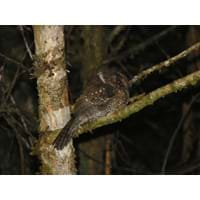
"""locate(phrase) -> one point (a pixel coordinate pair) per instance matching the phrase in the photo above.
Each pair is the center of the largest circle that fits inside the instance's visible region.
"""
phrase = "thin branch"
(12, 85)
(14, 61)
(176, 131)
(115, 32)
(31, 138)
(164, 64)
(26, 42)
(118, 46)
(20, 145)
(136, 49)
(149, 99)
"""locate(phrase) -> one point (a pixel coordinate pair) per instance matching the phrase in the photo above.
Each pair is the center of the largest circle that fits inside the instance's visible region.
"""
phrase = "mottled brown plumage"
(105, 93)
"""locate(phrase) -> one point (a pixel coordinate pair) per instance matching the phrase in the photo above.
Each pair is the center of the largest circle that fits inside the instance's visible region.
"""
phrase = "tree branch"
(165, 64)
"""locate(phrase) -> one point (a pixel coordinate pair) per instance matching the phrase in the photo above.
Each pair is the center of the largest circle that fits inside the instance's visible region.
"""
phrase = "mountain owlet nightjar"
(106, 92)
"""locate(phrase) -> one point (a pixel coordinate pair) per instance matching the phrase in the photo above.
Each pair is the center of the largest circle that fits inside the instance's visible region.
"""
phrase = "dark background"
(139, 143)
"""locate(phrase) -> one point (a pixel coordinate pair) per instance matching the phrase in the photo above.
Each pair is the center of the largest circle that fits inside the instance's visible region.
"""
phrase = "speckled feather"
(106, 92)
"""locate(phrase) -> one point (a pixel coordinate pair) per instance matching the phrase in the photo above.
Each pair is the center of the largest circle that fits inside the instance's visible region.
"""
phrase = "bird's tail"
(64, 136)
(69, 131)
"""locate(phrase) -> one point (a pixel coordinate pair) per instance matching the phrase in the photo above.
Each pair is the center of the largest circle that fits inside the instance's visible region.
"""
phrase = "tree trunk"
(54, 112)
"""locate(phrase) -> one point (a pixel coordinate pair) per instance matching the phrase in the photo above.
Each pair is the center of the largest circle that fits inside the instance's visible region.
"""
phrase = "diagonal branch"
(26, 42)
(165, 64)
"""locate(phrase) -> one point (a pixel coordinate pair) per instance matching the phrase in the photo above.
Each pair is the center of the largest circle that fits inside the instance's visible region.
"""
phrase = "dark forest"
(45, 69)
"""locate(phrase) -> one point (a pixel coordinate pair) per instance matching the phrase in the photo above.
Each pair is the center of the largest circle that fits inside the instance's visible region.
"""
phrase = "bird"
(105, 93)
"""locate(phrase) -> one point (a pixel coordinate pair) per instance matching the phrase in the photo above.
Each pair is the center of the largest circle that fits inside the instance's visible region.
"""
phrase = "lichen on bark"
(54, 108)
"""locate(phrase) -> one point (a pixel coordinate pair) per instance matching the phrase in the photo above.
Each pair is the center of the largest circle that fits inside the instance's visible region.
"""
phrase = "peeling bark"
(54, 107)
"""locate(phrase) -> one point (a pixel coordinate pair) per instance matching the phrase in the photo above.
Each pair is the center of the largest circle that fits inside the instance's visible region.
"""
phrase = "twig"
(18, 124)
(11, 86)
(26, 42)
(21, 151)
(176, 131)
(136, 49)
(30, 136)
(13, 61)
(117, 47)
(25, 54)
(164, 64)
(115, 32)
